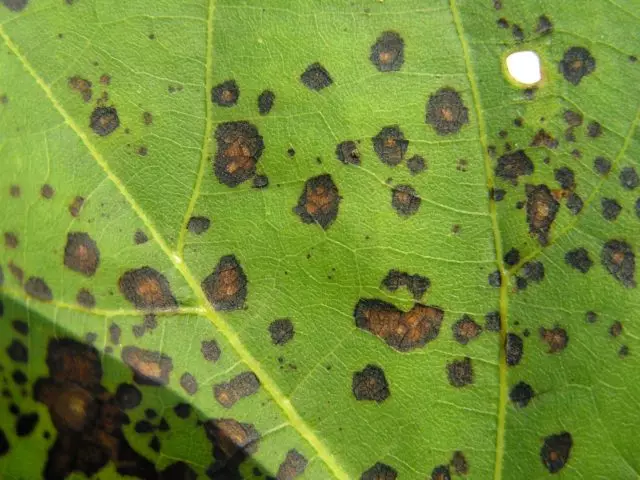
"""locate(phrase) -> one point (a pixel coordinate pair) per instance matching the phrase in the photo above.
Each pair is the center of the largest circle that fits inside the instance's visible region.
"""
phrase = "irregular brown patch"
(542, 209)
(293, 466)
(390, 145)
(210, 350)
(513, 349)
(149, 367)
(465, 329)
(556, 338)
(347, 152)
(555, 451)
(233, 442)
(85, 298)
(512, 165)
(416, 284)
(239, 147)
(266, 101)
(75, 207)
(319, 201)
(576, 64)
(147, 289)
(459, 463)
(370, 384)
(10, 240)
(446, 111)
(82, 86)
(387, 54)
(618, 259)
(240, 386)
(460, 372)
(36, 287)
(81, 253)
(226, 287)
(104, 120)
(225, 94)
(544, 139)
(189, 383)
(403, 331)
(379, 471)
(316, 77)
(405, 200)
(615, 330)
(281, 331)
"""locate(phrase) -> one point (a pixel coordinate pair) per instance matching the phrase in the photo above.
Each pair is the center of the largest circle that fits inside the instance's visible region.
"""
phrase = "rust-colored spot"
(226, 287)
(149, 367)
(319, 201)
(82, 86)
(81, 253)
(556, 338)
(387, 54)
(239, 147)
(542, 209)
(147, 289)
(240, 386)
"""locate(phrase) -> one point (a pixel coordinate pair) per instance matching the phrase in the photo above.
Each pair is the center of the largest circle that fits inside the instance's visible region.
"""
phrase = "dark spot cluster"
(514, 349)
(521, 394)
(405, 200)
(82, 86)
(513, 165)
(619, 260)
(265, 102)
(542, 209)
(416, 284)
(579, 259)
(316, 77)
(81, 254)
(104, 120)
(390, 145)
(347, 152)
(198, 225)
(555, 451)
(240, 386)
(293, 466)
(37, 288)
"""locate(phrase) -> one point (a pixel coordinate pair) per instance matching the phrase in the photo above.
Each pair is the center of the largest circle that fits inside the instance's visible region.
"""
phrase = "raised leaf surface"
(320, 239)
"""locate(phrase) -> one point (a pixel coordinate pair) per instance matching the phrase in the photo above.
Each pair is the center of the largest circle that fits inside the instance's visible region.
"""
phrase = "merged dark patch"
(147, 289)
(544, 139)
(82, 86)
(446, 111)
(390, 145)
(232, 443)
(380, 471)
(226, 287)
(555, 451)
(10, 240)
(521, 394)
(416, 284)
(18, 351)
(387, 54)
(128, 396)
(281, 331)
(225, 94)
(198, 225)
(512, 165)
(405, 200)
(556, 338)
(579, 259)
(104, 120)
(542, 209)
(610, 208)
(265, 102)
(513, 349)
(576, 64)
(618, 259)
(347, 152)
(293, 466)
(533, 271)
(465, 330)
(239, 147)
(416, 164)
(629, 178)
(85, 298)
(403, 331)
(370, 384)
(37, 288)
(189, 383)
(316, 77)
(148, 367)
(81, 254)
(75, 207)
(240, 386)
(460, 372)
(319, 201)
(574, 203)
(210, 350)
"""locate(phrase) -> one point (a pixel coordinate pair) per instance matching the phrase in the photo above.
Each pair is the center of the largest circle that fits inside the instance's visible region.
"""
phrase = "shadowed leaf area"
(321, 239)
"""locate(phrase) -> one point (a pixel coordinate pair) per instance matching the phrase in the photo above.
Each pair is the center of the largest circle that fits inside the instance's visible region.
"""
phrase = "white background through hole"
(524, 67)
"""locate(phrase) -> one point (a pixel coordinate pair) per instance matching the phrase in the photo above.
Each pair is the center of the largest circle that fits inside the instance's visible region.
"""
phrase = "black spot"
(565, 177)
(128, 396)
(521, 283)
(512, 257)
(530, 94)
(189, 383)
(240, 386)
(545, 26)
(85, 298)
(492, 321)
(36, 287)
(390, 145)
(416, 164)
(225, 94)
(15, 6)
(82, 86)
(281, 331)
(555, 451)
(601, 166)
(147, 289)
(47, 191)
(226, 287)
(19, 326)
(441, 472)
(521, 394)
(497, 194)
(319, 201)
(316, 77)
(544, 139)
(556, 338)
(533, 271)
(416, 284)
(293, 466)
(494, 279)
(104, 120)
(512, 165)
(198, 225)
(629, 178)
(387, 54)
(144, 426)
(618, 259)
(594, 129)
(140, 237)
(610, 208)
(26, 424)
(542, 209)
(4, 444)
(154, 444)
(623, 351)
(265, 102)
(75, 207)
(81, 254)
(19, 377)
(405, 200)
(210, 350)
(576, 64)
(574, 203)
(518, 34)
(149, 367)
(446, 112)
(591, 317)
(465, 330)
(370, 384)
(178, 471)
(150, 413)
(502, 23)
(239, 147)
(379, 471)
(291, 152)
(460, 372)
(347, 152)
(260, 181)
(10, 240)
(182, 410)
(579, 259)
(514, 349)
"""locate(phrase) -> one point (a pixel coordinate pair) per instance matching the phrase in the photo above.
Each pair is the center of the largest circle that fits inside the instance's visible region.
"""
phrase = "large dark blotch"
(405, 200)
(390, 145)
(542, 209)
(293, 466)
(81, 253)
(104, 120)
(387, 54)
(512, 165)
(555, 451)
(618, 259)
(225, 94)
(147, 289)
(319, 201)
(226, 287)
(232, 443)
(403, 331)
(513, 349)
(15, 5)
(86, 416)
(316, 77)
(521, 394)
(380, 471)
(370, 384)
(239, 147)
(460, 372)
(556, 338)
(576, 64)
(240, 386)
(149, 367)
(446, 111)
(36, 287)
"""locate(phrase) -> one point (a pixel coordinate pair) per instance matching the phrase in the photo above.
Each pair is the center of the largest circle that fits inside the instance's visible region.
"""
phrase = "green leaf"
(318, 239)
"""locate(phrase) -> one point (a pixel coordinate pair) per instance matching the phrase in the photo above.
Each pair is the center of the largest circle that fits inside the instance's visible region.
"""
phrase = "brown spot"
(16, 271)
(142, 151)
(319, 201)
(513, 349)
(390, 145)
(542, 209)
(446, 111)
(15, 191)
(615, 330)
(85, 298)
(466, 329)
(105, 79)
(36, 287)
(281, 331)
(149, 368)
(82, 86)
(226, 287)
(555, 451)
(260, 181)
(293, 466)
(198, 225)
(576, 64)
(512, 165)
(618, 259)
(556, 338)
(460, 372)
(316, 77)
(81, 253)
(594, 129)
(233, 443)
(104, 120)
(416, 284)
(147, 118)
(403, 331)
(387, 54)
(225, 94)
(370, 384)
(459, 463)
(210, 350)
(379, 471)
(10, 240)
(239, 147)
(544, 139)
(189, 383)
(347, 152)
(76, 206)
(265, 102)
(147, 289)
(240, 386)
(405, 200)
